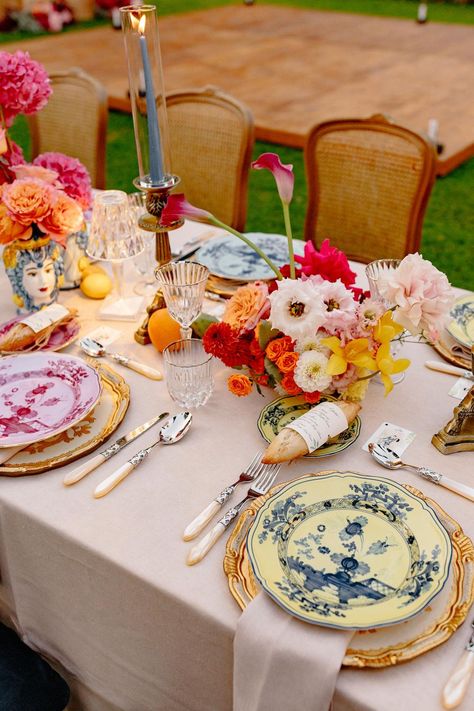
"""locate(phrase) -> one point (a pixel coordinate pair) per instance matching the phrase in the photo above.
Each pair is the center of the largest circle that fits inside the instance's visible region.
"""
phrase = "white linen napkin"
(7, 452)
(282, 663)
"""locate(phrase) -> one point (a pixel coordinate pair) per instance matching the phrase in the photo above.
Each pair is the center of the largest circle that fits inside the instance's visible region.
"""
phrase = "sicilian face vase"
(35, 270)
(76, 244)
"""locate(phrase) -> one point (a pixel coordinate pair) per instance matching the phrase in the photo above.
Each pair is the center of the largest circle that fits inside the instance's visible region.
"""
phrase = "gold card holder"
(458, 434)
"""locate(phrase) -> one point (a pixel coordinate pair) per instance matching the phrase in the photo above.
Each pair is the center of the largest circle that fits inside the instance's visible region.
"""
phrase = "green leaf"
(272, 370)
(202, 323)
(266, 333)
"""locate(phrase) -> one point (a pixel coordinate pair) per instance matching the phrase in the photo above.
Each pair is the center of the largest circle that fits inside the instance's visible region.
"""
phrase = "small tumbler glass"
(188, 370)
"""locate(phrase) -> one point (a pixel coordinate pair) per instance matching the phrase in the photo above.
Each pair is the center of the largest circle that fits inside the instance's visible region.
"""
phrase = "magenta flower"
(283, 174)
(13, 157)
(72, 175)
(178, 207)
(329, 262)
(24, 85)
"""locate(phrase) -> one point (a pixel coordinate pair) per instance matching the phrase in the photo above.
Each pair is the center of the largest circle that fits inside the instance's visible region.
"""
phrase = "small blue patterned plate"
(228, 257)
(461, 327)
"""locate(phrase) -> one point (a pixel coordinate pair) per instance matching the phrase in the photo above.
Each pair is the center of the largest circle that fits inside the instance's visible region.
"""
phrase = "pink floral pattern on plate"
(61, 337)
(42, 394)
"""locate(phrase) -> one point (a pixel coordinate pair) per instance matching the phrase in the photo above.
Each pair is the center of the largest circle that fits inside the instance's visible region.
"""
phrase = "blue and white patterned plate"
(462, 325)
(228, 257)
(349, 551)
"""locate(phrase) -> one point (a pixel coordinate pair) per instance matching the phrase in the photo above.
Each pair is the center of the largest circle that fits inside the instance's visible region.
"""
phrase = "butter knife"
(450, 369)
(456, 687)
(79, 472)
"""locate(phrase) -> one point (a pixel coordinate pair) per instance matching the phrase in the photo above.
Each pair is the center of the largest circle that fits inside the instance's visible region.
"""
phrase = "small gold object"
(155, 202)
(458, 434)
(382, 652)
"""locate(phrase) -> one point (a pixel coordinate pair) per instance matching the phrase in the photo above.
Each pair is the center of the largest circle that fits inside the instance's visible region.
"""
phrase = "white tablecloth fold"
(282, 663)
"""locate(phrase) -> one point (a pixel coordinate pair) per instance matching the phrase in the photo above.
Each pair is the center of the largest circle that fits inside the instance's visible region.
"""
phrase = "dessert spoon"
(390, 460)
(96, 350)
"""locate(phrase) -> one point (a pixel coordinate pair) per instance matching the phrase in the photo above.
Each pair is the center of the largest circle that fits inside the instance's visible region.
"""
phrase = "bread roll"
(319, 424)
(22, 336)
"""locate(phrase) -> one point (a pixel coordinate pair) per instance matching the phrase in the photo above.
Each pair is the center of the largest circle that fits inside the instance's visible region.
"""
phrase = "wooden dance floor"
(295, 68)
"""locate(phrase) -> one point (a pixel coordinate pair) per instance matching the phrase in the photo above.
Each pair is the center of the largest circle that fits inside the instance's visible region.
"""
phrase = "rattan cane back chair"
(74, 122)
(211, 141)
(369, 181)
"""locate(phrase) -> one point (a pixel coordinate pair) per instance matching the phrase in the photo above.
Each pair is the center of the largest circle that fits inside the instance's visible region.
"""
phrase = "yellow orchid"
(355, 352)
(386, 328)
(387, 366)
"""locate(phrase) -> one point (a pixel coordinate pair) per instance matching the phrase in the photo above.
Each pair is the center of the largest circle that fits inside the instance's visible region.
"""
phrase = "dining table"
(101, 588)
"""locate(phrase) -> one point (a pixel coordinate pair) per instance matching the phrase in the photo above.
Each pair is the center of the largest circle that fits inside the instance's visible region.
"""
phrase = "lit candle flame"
(138, 24)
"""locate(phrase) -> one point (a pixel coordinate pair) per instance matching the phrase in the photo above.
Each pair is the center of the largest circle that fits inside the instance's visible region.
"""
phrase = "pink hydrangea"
(72, 175)
(12, 157)
(24, 85)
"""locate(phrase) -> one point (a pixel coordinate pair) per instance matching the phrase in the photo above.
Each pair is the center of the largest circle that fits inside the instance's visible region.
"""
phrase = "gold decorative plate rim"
(243, 586)
(120, 390)
(444, 350)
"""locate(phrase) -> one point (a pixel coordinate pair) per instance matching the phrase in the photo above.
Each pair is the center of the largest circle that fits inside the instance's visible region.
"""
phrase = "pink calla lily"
(283, 174)
(177, 207)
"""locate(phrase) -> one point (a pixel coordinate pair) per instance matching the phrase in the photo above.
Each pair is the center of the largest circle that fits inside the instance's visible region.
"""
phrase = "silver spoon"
(390, 460)
(170, 433)
(96, 350)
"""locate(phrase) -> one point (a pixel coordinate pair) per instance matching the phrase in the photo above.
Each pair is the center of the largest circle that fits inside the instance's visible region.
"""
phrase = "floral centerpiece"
(41, 203)
(312, 331)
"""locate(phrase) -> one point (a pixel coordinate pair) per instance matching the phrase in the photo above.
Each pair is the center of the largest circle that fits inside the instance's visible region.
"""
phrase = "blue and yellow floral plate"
(461, 326)
(279, 413)
(349, 551)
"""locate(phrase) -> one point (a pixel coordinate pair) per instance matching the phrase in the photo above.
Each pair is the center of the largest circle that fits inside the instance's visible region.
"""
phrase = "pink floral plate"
(42, 394)
(62, 336)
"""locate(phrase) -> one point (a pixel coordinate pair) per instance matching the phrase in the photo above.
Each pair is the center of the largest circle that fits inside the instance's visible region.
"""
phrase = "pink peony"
(13, 156)
(72, 175)
(24, 85)
(28, 200)
(421, 295)
(329, 262)
(34, 171)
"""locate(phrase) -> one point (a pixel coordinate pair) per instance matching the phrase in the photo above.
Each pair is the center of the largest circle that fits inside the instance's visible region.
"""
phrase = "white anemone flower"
(297, 308)
(310, 372)
(339, 304)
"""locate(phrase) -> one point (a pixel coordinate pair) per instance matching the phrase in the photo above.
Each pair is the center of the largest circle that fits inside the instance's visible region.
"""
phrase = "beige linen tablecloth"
(101, 585)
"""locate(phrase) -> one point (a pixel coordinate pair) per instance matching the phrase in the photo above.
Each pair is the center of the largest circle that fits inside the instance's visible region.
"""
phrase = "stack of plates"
(55, 408)
(350, 551)
(455, 345)
(232, 263)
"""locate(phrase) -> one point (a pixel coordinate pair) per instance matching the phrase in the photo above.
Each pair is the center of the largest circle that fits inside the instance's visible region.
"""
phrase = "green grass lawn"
(448, 235)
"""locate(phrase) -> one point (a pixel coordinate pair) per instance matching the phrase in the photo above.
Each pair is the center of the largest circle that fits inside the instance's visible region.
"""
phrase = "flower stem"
(248, 242)
(289, 236)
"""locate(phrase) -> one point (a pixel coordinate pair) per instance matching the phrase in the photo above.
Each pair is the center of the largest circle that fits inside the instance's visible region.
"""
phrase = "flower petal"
(177, 207)
(283, 174)
(337, 365)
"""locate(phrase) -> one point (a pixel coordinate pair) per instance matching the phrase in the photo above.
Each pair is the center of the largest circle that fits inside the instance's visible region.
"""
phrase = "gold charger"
(82, 438)
(384, 646)
(444, 348)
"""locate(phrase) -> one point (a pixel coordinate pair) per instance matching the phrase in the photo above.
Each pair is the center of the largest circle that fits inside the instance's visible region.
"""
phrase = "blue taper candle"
(154, 141)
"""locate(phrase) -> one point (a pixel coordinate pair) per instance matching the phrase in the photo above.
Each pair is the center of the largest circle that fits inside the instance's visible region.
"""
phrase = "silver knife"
(79, 472)
(456, 686)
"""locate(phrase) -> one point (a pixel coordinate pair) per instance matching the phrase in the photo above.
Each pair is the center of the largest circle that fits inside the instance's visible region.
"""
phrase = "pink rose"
(421, 294)
(65, 218)
(34, 171)
(247, 306)
(28, 200)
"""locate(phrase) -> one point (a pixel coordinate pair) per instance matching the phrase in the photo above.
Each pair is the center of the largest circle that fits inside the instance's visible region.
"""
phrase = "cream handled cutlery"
(456, 686)
(96, 350)
(80, 472)
(390, 460)
(202, 519)
(450, 369)
(170, 433)
(260, 486)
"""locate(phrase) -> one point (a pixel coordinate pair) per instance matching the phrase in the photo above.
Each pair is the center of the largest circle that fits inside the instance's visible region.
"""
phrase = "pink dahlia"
(72, 175)
(329, 262)
(24, 85)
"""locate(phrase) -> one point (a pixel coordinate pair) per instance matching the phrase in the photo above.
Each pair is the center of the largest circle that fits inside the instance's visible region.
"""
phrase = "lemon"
(96, 285)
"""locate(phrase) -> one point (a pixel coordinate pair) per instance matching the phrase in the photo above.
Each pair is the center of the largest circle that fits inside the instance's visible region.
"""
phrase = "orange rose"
(278, 346)
(11, 230)
(35, 171)
(28, 200)
(239, 385)
(289, 384)
(65, 217)
(287, 362)
(244, 308)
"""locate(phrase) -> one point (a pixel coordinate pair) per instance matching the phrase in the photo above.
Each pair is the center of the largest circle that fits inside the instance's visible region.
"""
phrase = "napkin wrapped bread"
(22, 337)
(318, 425)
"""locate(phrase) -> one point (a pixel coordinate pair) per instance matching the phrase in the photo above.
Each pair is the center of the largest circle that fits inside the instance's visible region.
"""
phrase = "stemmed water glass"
(183, 285)
(145, 264)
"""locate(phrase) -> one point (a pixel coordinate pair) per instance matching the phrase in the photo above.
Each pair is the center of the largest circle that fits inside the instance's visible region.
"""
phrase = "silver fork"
(202, 519)
(260, 487)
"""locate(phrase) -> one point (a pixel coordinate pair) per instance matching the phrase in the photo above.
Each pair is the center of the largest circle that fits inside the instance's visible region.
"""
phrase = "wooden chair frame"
(79, 77)
(212, 95)
(381, 124)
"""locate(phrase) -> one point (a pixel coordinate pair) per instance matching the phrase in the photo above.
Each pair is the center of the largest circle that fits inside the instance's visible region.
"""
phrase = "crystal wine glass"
(183, 285)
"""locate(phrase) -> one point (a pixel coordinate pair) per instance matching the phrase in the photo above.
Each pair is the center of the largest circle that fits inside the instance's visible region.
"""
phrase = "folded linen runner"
(282, 663)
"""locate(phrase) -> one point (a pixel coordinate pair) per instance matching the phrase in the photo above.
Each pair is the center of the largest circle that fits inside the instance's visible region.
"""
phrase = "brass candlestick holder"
(155, 202)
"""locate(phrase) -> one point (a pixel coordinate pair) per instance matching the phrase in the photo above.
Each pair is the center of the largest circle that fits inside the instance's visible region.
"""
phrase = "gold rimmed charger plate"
(452, 351)
(80, 439)
(384, 646)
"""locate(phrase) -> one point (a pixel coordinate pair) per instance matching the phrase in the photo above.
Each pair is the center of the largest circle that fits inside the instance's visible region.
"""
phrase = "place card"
(393, 436)
(460, 388)
(104, 335)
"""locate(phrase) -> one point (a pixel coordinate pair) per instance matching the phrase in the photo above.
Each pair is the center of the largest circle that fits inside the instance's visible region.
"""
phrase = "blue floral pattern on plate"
(228, 257)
